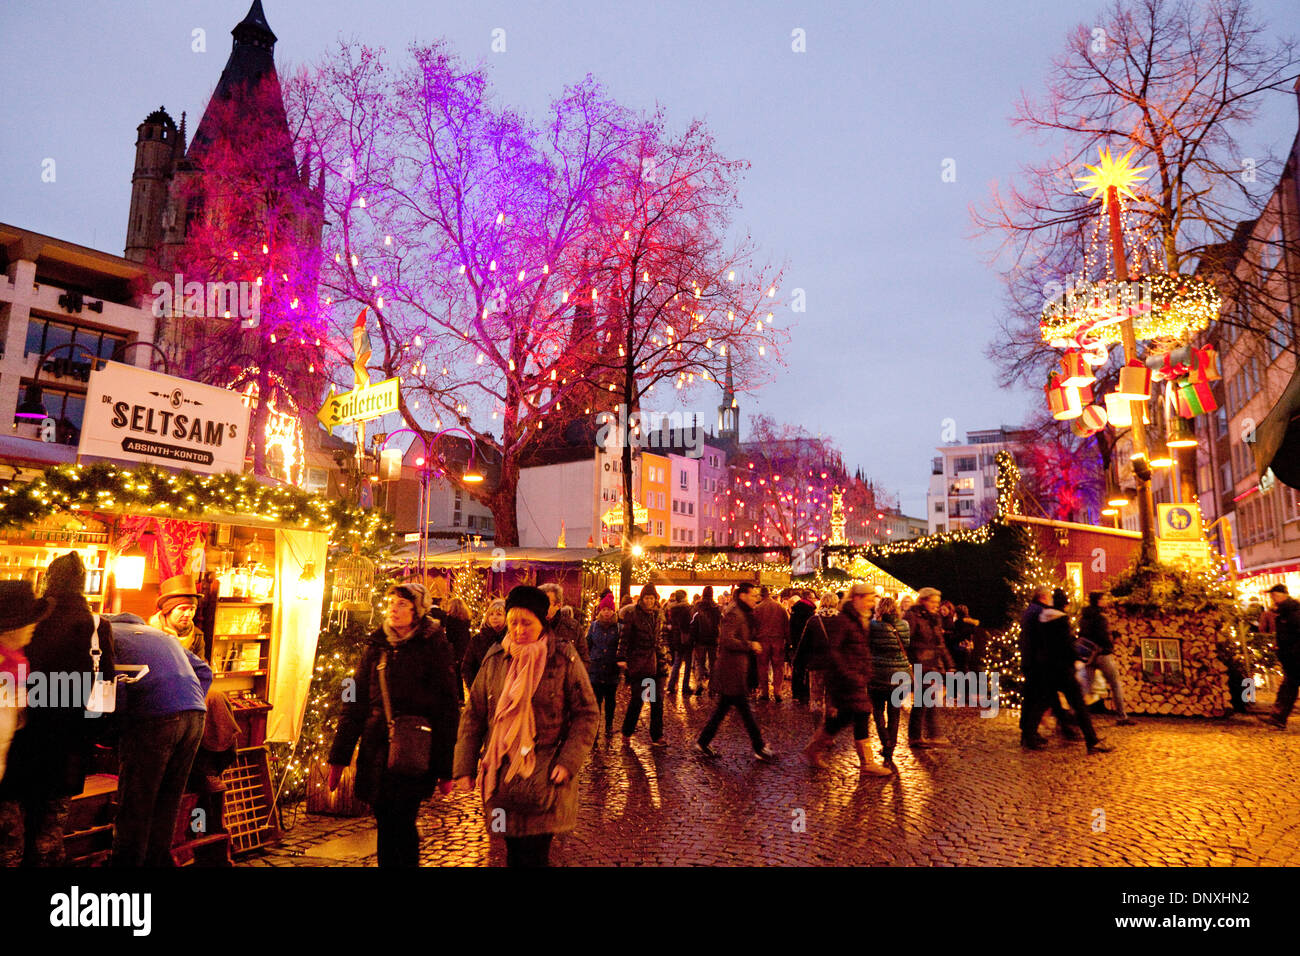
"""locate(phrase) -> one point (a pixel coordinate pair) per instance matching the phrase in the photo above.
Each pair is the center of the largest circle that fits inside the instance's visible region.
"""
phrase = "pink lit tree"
(487, 249)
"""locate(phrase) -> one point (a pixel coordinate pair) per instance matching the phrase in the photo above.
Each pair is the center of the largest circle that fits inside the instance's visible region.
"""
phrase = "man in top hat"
(178, 600)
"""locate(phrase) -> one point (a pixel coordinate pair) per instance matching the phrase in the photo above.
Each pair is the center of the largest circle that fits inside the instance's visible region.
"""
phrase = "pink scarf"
(513, 725)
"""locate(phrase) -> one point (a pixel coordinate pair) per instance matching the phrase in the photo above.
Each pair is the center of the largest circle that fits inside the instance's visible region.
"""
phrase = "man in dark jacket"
(1094, 627)
(162, 724)
(1037, 693)
(736, 649)
(678, 622)
(773, 633)
(644, 656)
(1054, 671)
(706, 624)
(1287, 626)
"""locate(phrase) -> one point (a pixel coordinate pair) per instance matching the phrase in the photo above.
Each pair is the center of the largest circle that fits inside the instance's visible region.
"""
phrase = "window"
(1279, 337)
(1221, 420)
(45, 334)
(938, 507)
(690, 507)
(966, 463)
(682, 478)
(1270, 253)
(318, 481)
(470, 521)
(1225, 477)
(455, 516)
(66, 407)
(1160, 657)
(659, 529)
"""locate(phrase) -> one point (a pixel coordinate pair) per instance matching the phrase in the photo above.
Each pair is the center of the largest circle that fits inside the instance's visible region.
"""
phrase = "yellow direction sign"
(613, 518)
(360, 404)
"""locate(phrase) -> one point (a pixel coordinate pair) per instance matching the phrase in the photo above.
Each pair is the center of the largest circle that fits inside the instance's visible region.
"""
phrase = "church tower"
(729, 411)
(158, 146)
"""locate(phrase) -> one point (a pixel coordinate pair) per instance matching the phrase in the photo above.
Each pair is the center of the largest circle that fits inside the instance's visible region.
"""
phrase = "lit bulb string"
(147, 489)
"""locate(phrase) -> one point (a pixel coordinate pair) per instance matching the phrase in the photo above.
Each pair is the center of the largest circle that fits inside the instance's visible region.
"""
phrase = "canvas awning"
(1277, 437)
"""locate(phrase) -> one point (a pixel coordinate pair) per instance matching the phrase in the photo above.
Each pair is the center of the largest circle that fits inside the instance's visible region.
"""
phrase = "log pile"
(1203, 691)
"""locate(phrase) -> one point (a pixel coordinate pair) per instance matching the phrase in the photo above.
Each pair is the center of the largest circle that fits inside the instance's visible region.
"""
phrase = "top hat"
(19, 605)
(180, 586)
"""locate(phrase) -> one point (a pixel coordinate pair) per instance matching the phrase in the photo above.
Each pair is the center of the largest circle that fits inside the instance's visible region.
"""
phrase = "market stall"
(256, 553)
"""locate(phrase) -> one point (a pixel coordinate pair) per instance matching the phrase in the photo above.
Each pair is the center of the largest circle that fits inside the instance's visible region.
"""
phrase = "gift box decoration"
(1063, 402)
(1195, 398)
(1134, 382)
(1090, 421)
(1119, 410)
(1075, 370)
(1203, 365)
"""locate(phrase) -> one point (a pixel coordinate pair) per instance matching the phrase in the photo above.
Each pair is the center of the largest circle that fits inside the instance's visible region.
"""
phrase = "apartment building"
(963, 479)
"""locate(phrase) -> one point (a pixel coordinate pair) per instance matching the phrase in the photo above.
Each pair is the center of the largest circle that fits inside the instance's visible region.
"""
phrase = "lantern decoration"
(1134, 382)
(354, 582)
(1181, 434)
(1119, 410)
(1194, 398)
(1064, 403)
(1075, 370)
(1091, 421)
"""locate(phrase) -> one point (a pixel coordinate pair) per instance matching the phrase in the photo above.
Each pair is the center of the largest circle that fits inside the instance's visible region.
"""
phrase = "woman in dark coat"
(926, 647)
(493, 629)
(422, 682)
(50, 756)
(526, 732)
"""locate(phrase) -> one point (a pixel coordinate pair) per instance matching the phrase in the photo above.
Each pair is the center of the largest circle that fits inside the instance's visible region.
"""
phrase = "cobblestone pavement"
(1176, 792)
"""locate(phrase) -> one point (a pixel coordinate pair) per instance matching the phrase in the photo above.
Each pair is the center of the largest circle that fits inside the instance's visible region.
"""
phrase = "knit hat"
(607, 602)
(530, 599)
(66, 575)
(651, 590)
(416, 593)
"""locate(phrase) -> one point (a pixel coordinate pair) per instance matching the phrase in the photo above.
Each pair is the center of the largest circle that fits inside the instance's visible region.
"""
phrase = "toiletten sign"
(133, 414)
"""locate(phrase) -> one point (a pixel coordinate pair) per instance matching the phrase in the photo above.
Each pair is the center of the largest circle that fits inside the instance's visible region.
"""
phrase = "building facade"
(963, 479)
(62, 307)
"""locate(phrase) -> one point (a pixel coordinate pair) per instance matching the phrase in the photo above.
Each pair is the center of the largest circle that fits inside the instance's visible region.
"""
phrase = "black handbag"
(532, 794)
(410, 737)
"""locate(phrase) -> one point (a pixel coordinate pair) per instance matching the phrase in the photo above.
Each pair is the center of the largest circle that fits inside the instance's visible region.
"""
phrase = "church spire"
(729, 410)
(254, 29)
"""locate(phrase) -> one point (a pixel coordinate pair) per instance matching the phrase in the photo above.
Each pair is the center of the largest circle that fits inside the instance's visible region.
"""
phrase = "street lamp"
(424, 463)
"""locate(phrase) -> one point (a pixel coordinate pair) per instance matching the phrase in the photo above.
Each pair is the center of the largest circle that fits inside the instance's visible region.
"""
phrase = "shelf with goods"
(26, 553)
(242, 627)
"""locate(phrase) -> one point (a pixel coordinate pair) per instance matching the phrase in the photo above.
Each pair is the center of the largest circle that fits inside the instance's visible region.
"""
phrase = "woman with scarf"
(526, 731)
(420, 672)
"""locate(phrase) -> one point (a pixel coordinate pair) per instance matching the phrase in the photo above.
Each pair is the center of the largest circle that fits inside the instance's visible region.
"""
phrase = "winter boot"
(869, 767)
(815, 752)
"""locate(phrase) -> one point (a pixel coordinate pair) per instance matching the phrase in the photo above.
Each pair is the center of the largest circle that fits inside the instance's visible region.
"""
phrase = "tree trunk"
(258, 423)
(502, 502)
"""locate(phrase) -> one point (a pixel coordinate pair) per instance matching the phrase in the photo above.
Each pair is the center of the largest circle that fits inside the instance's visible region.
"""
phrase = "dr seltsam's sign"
(137, 415)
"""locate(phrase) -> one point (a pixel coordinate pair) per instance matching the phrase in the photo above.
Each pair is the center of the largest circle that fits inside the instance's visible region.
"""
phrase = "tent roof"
(485, 554)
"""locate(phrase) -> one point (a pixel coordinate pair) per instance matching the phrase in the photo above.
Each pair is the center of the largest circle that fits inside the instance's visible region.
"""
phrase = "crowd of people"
(513, 710)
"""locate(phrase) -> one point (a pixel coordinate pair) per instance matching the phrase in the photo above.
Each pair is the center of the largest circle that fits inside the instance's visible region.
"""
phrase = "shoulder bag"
(102, 698)
(410, 738)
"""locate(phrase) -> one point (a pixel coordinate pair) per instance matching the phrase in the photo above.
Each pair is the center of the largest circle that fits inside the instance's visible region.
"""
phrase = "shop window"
(1162, 657)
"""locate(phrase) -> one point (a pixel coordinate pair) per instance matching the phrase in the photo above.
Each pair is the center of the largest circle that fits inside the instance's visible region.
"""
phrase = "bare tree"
(1178, 82)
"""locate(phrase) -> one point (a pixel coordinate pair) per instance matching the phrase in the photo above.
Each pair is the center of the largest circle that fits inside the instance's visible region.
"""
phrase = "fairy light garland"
(107, 487)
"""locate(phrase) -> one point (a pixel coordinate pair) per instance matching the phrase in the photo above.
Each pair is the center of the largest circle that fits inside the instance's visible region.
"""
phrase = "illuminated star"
(1111, 172)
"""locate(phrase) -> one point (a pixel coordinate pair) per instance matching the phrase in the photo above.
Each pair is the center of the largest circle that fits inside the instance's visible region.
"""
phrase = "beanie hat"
(649, 589)
(606, 602)
(66, 575)
(414, 592)
(531, 599)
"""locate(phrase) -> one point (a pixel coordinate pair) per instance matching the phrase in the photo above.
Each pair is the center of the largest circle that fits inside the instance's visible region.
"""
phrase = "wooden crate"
(248, 817)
